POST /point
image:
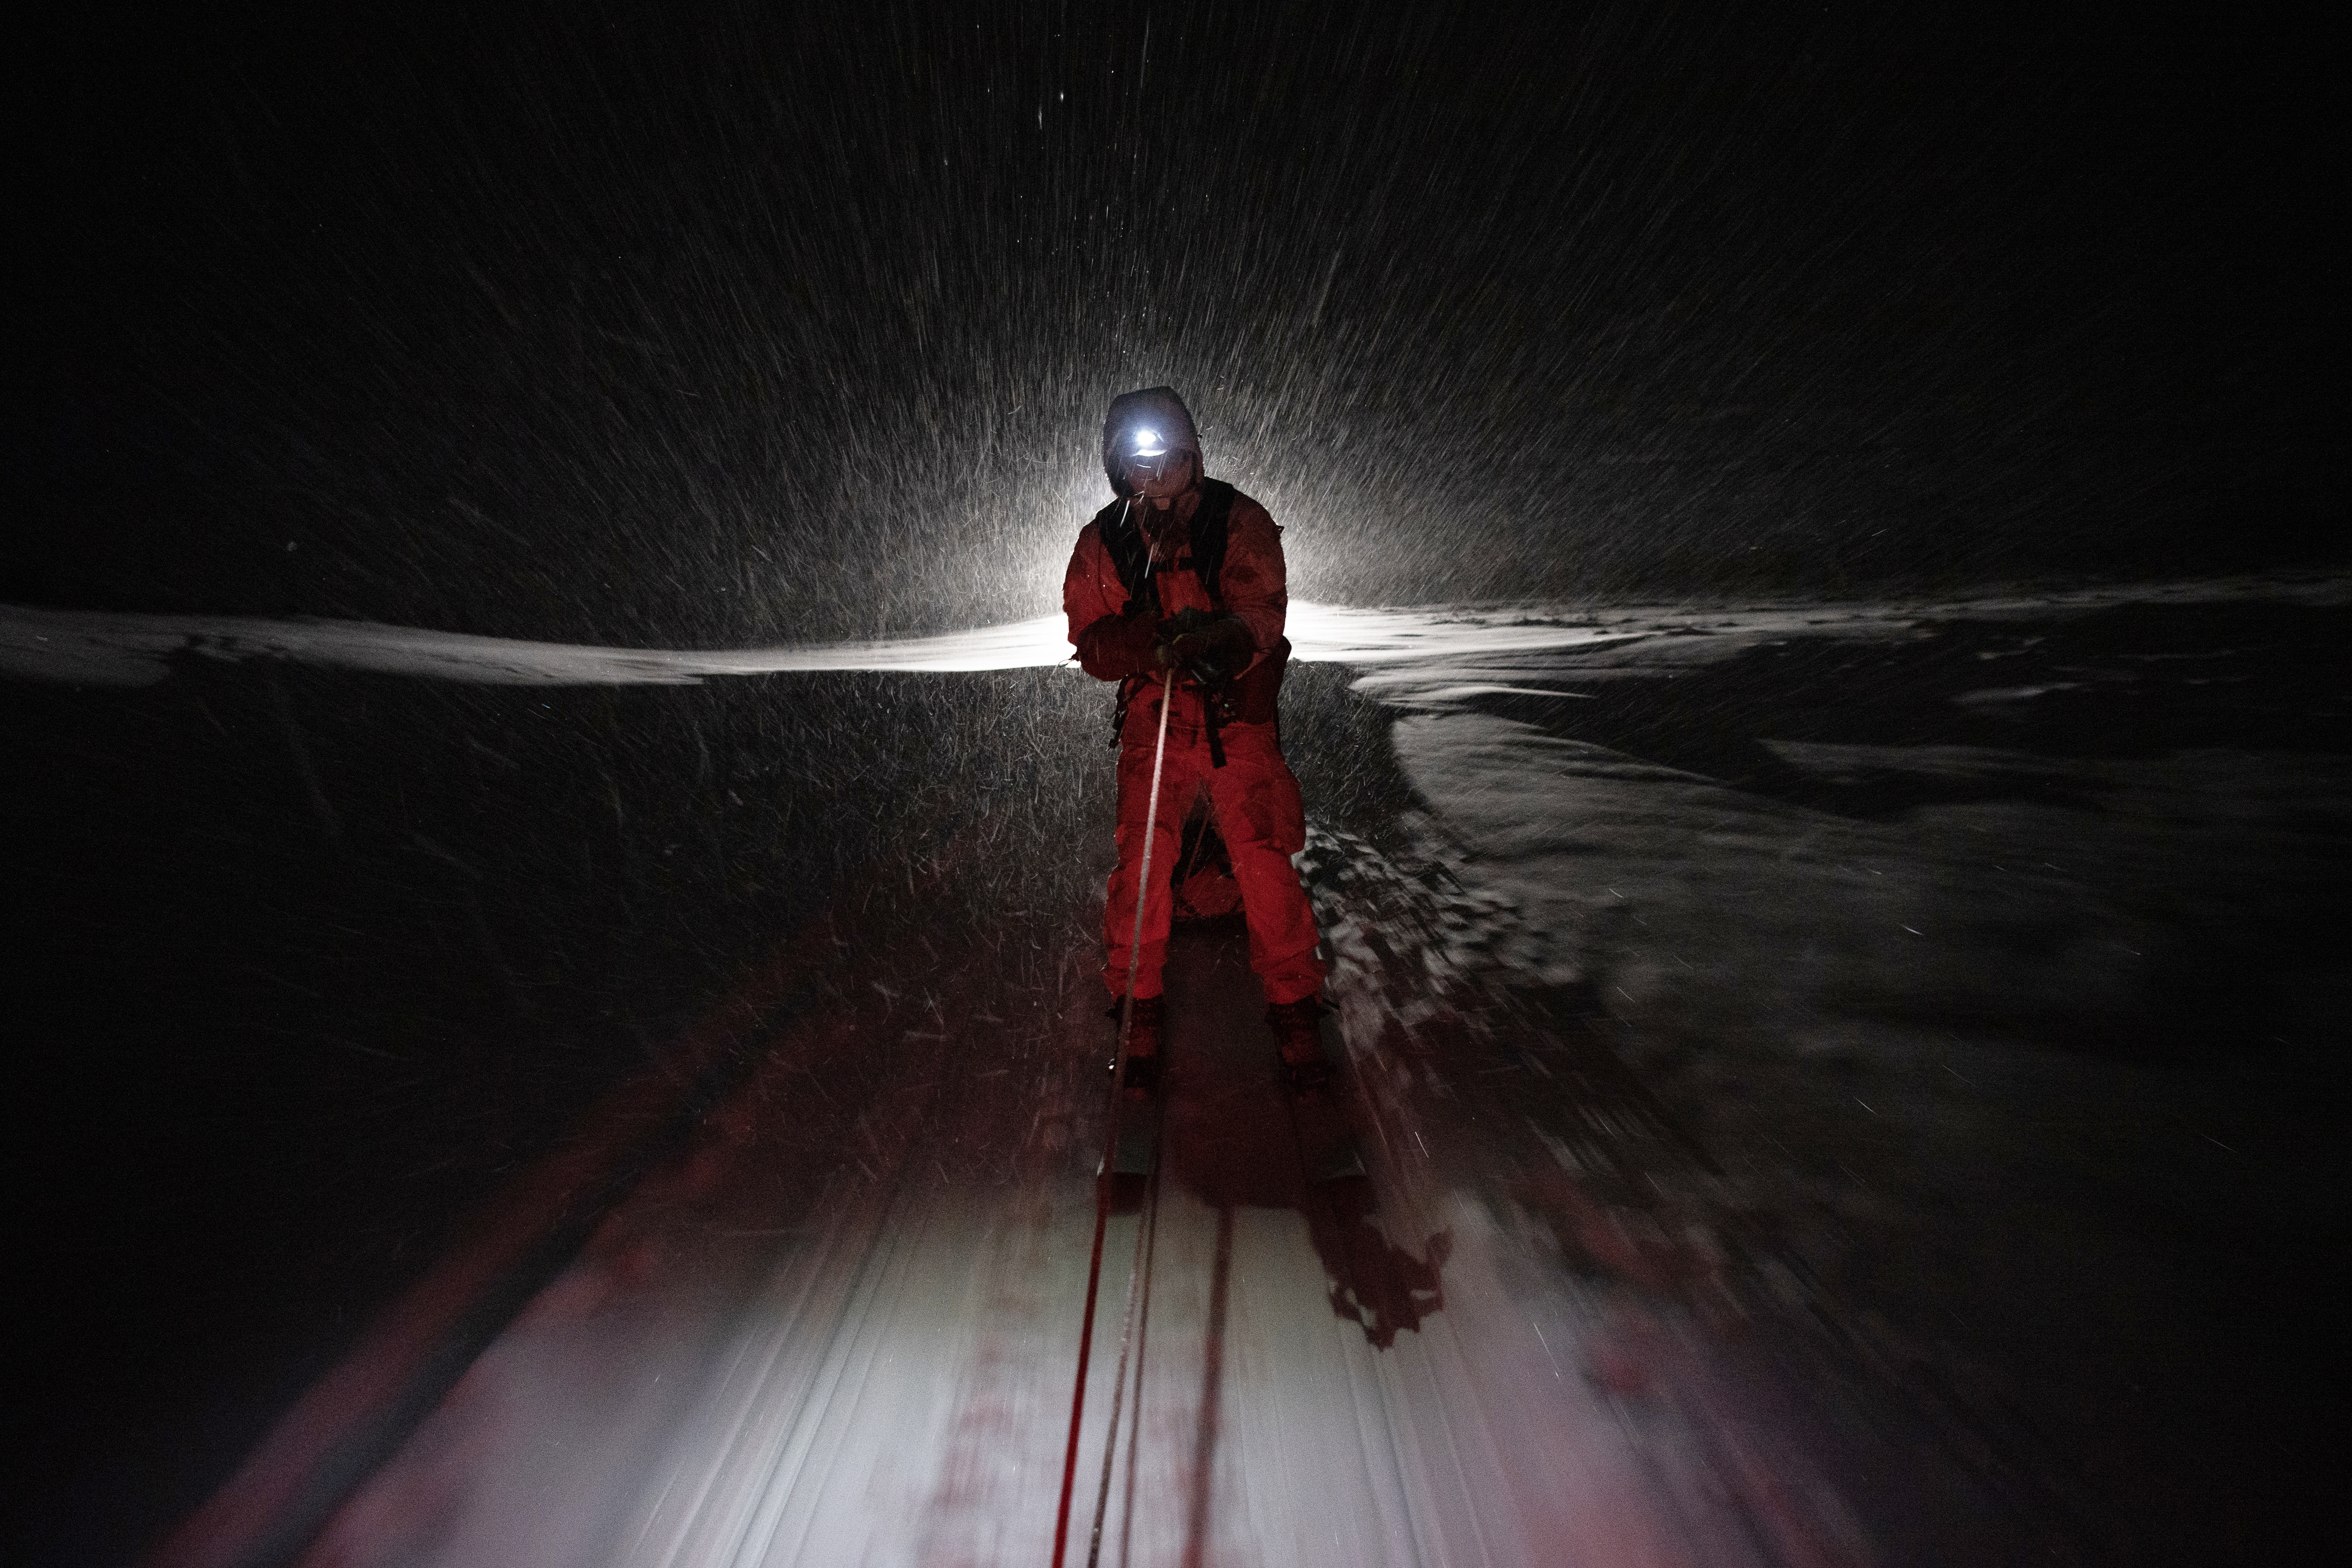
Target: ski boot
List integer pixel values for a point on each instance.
(1299, 1034)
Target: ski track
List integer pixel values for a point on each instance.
(880, 1376)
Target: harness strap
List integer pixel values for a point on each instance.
(1130, 555)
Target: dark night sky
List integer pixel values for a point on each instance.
(717, 324)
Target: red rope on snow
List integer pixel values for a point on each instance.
(1102, 1186)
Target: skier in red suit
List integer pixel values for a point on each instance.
(1176, 593)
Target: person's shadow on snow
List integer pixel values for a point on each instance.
(1227, 1140)
(1374, 1284)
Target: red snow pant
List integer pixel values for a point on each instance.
(1262, 823)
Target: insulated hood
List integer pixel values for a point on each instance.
(1157, 409)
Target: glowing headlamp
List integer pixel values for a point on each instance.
(1149, 445)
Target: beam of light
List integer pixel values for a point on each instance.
(92, 647)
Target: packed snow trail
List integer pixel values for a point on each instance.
(741, 1371)
(838, 1325)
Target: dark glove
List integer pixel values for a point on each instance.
(1212, 648)
(1117, 646)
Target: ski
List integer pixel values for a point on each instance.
(1135, 1148)
(1135, 1118)
(1327, 1144)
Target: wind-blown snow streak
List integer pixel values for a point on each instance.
(89, 647)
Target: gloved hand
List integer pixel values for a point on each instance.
(1117, 646)
(1211, 647)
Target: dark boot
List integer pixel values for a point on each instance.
(1143, 1036)
(1299, 1034)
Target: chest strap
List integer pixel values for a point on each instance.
(1131, 556)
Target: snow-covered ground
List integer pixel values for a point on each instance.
(1994, 955)
(1831, 1075)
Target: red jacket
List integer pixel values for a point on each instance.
(1252, 584)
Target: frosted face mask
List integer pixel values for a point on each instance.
(1153, 468)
